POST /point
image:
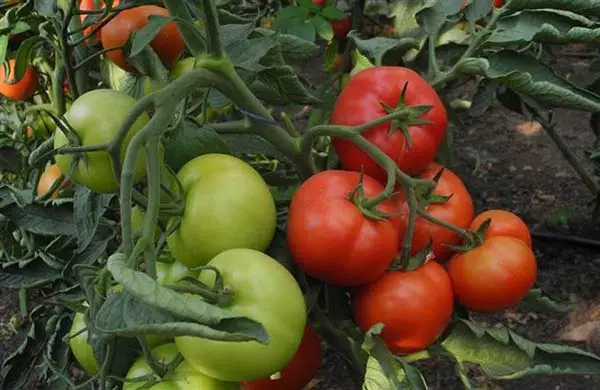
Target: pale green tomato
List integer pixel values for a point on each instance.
(79, 345)
(183, 377)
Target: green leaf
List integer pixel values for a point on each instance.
(322, 27)
(292, 48)
(537, 300)
(34, 274)
(143, 37)
(47, 221)
(182, 306)
(88, 209)
(284, 82)
(190, 140)
(529, 77)
(503, 354)
(10, 159)
(57, 353)
(246, 54)
(477, 10)
(332, 13)
(361, 62)
(243, 144)
(435, 14)
(551, 26)
(24, 55)
(384, 50)
(484, 97)
(97, 246)
(584, 7)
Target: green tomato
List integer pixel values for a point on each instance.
(265, 291)
(150, 86)
(171, 273)
(137, 222)
(183, 377)
(96, 117)
(227, 205)
(182, 67)
(79, 345)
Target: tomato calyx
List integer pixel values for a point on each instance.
(427, 196)
(411, 115)
(366, 205)
(414, 262)
(218, 294)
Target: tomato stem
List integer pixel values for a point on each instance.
(410, 231)
(464, 234)
(151, 217)
(158, 368)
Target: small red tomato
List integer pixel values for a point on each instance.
(319, 3)
(341, 27)
(414, 306)
(301, 370)
(457, 210)
(332, 239)
(493, 276)
(503, 223)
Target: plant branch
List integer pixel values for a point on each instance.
(461, 232)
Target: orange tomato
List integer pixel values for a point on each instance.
(47, 179)
(22, 89)
(168, 43)
(503, 223)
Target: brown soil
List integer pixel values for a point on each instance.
(523, 173)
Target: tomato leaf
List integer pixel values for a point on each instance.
(144, 36)
(586, 7)
(332, 13)
(47, 221)
(10, 195)
(549, 25)
(537, 300)
(190, 140)
(292, 48)
(383, 50)
(484, 97)
(503, 354)
(384, 370)
(57, 354)
(182, 306)
(436, 13)
(322, 27)
(88, 209)
(529, 77)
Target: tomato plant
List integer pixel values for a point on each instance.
(182, 377)
(330, 234)
(414, 306)
(371, 94)
(263, 286)
(168, 43)
(96, 117)
(449, 202)
(494, 276)
(502, 223)
(300, 371)
(227, 205)
(21, 89)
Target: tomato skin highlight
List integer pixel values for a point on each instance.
(504, 223)
(415, 307)
(301, 370)
(22, 89)
(361, 101)
(96, 117)
(458, 210)
(265, 291)
(494, 276)
(183, 377)
(168, 43)
(330, 238)
(227, 205)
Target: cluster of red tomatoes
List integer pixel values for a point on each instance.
(335, 235)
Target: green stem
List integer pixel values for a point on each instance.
(151, 219)
(461, 232)
(232, 127)
(23, 302)
(434, 69)
(410, 231)
(152, 363)
(210, 17)
(183, 21)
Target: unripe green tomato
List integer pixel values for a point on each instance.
(171, 273)
(182, 67)
(96, 117)
(183, 377)
(137, 222)
(79, 346)
(150, 86)
(227, 205)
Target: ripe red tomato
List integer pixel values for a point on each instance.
(301, 370)
(331, 239)
(361, 101)
(168, 43)
(458, 210)
(341, 27)
(319, 3)
(22, 89)
(493, 276)
(89, 5)
(504, 223)
(414, 306)
(498, 3)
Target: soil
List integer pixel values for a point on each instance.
(525, 173)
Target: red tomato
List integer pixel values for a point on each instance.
(493, 276)
(361, 101)
(458, 210)
(301, 370)
(331, 239)
(168, 43)
(498, 3)
(504, 223)
(414, 306)
(341, 27)
(319, 3)
(89, 5)
(22, 89)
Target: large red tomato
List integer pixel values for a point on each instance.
(503, 223)
(493, 276)
(331, 239)
(168, 43)
(301, 370)
(414, 306)
(363, 100)
(458, 210)
(22, 89)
